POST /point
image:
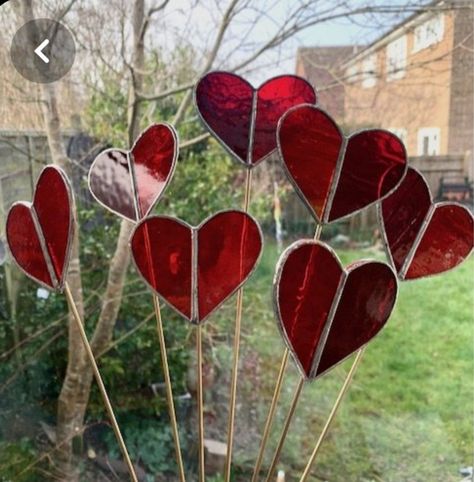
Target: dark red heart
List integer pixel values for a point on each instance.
(424, 238)
(326, 312)
(39, 234)
(195, 269)
(131, 183)
(334, 175)
(245, 119)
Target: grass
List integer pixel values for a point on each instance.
(408, 415)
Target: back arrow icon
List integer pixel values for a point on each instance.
(39, 51)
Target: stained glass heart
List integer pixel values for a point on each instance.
(195, 269)
(244, 119)
(131, 183)
(424, 238)
(335, 175)
(39, 234)
(326, 312)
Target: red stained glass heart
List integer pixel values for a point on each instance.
(326, 312)
(39, 234)
(195, 269)
(334, 175)
(424, 238)
(245, 119)
(131, 183)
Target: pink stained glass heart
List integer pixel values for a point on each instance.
(424, 238)
(245, 119)
(337, 176)
(39, 234)
(326, 312)
(131, 183)
(195, 269)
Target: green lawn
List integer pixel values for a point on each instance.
(409, 413)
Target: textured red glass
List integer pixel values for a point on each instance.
(307, 287)
(130, 184)
(374, 163)
(337, 177)
(229, 245)
(447, 241)
(153, 158)
(39, 234)
(162, 250)
(310, 142)
(424, 238)
(367, 300)
(403, 214)
(325, 312)
(245, 119)
(197, 269)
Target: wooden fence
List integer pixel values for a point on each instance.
(297, 221)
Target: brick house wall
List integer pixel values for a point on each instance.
(461, 118)
(322, 67)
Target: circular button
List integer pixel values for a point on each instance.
(43, 50)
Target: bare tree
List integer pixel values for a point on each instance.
(124, 54)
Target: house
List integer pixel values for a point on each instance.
(417, 81)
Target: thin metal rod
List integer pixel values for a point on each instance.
(271, 414)
(169, 389)
(100, 383)
(332, 414)
(235, 364)
(202, 474)
(286, 426)
(276, 394)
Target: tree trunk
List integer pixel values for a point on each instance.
(71, 407)
(77, 384)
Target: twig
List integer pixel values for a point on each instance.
(332, 414)
(286, 426)
(235, 365)
(200, 404)
(271, 414)
(169, 389)
(100, 383)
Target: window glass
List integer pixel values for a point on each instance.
(397, 58)
(369, 71)
(428, 33)
(429, 141)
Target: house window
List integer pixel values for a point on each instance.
(369, 71)
(428, 33)
(351, 74)
(397, 58)
(400, 132)
(429, 141)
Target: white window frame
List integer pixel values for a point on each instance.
(352, 74)
(434, 141)
(396, 52)
(400, 132)
(369, 71)
(428, 33)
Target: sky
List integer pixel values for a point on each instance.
(198, 21)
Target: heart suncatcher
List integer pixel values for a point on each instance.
(424, 238)
(335, 175)
(131, 183)
(244, 119)
(326, 312)
(39, 234)
(195, 269)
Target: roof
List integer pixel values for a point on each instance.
(401, 27)
(323, 63)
